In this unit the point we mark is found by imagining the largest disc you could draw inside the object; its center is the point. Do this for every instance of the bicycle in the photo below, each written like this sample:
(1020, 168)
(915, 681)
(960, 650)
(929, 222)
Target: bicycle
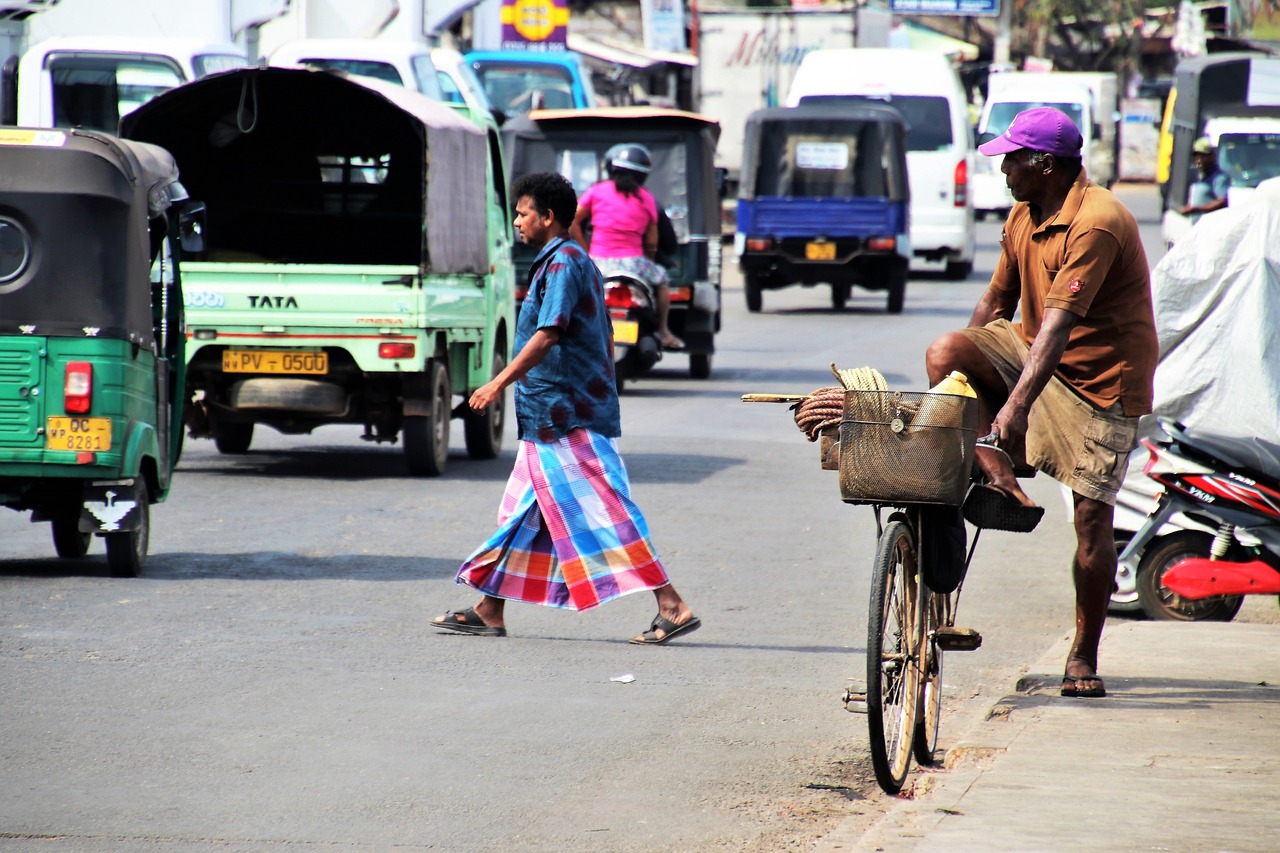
(894, 455)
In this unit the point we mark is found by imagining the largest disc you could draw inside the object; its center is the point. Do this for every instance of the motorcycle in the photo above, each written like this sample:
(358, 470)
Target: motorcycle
(632, 305)
(1227, 484)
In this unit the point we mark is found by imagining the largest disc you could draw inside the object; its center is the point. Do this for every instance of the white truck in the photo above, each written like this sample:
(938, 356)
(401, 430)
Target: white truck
(1090, 98)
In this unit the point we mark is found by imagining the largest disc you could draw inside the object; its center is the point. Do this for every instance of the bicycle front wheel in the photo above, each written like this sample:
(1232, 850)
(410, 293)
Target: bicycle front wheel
(893, 641)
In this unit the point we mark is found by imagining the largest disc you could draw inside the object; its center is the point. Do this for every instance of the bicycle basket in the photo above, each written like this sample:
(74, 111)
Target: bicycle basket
(906, 447)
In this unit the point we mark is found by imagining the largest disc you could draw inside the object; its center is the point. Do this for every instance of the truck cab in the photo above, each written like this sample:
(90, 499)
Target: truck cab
(518, 81)
(94, 82)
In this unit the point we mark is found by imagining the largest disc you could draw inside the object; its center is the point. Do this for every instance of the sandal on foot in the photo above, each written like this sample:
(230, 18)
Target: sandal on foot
(990, 507)
(673, 344)
(467, 622)
(1083, 687)
(667, 628)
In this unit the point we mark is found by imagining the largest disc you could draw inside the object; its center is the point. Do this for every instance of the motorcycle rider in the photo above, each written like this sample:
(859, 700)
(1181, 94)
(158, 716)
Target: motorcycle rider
(624, 219)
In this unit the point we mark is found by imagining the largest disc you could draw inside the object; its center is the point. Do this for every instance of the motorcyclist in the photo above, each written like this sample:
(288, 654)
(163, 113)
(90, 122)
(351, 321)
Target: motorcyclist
(624, 219)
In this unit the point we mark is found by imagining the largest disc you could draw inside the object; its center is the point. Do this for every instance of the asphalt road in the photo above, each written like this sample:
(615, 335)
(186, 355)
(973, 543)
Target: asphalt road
(272, 681)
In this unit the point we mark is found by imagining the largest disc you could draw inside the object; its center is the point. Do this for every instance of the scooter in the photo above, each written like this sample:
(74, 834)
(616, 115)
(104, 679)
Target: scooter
(633, 307)
(1228, 484)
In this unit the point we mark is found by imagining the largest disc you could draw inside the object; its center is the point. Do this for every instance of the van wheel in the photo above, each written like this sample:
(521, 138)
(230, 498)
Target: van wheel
(700, 365)
(68, 541)
(232, 438)
(126, 552)
(426, 437)
(897, 292)
(751, 286)
(839, 296)
(484, 432)
(958, 270)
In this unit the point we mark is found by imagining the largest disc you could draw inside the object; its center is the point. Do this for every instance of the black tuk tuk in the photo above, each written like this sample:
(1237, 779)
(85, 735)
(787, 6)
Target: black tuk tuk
(824, 199)
(91, 334)
(683, 180)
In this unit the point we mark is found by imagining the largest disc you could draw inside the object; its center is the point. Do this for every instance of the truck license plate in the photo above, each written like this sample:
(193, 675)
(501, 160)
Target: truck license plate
(820, 251)
(65, 433)
(625, 331)
(274, 361)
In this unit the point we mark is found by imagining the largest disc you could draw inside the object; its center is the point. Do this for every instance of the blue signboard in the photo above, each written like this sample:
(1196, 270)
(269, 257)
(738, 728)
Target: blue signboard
(945, 7)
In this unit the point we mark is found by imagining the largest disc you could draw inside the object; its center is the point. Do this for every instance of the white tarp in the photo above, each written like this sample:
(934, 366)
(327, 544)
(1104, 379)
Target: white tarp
(1217, 306)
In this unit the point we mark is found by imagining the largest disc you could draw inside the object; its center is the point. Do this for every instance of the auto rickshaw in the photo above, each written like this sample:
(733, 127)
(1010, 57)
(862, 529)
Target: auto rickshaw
(683, 181)
(92, 228)
(824, 199)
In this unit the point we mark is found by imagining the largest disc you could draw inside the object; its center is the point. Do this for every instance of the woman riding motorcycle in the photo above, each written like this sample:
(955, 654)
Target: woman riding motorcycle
(624, 221)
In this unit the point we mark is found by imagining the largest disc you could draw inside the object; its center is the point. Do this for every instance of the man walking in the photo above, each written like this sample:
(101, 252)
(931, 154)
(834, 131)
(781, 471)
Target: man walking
(1063, 387)
(568, 533)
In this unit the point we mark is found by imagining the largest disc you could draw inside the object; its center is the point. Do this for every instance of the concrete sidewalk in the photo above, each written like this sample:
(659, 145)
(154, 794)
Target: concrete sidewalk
(1183, 754)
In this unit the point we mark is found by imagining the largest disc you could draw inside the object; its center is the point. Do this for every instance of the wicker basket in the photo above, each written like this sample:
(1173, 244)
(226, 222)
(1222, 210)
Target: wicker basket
(903, 447)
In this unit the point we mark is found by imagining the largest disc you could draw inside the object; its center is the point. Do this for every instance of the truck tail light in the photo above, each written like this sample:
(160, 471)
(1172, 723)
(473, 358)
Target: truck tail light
(759, 244)
(396, 350)
(882, 244)
(962, 184)
(77, 388)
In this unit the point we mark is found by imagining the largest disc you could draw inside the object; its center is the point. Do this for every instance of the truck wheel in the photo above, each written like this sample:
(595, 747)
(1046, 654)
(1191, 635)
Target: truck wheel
(751, 286)
(839, 296)
(232, 438)
(484, 432)
(958, 270)
(700, 365)
(126, 552)
(68, 541)
(897, 292)
(426, 437)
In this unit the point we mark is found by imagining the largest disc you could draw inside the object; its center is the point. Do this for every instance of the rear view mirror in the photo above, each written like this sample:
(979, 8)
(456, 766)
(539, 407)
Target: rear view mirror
(191, 224)
(985, 137)
(722, 181)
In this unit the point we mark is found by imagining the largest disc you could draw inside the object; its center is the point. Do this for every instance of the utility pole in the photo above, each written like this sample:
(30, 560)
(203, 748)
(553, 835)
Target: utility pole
(1001, 51)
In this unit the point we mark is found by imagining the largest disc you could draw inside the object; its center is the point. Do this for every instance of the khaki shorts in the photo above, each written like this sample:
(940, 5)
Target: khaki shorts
(1083, 447)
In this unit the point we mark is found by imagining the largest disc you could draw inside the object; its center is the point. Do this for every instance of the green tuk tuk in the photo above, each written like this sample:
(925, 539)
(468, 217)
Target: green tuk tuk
(91, 334)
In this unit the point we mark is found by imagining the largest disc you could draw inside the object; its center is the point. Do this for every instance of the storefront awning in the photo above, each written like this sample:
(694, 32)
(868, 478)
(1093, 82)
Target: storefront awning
(917, 37)
(629, 55)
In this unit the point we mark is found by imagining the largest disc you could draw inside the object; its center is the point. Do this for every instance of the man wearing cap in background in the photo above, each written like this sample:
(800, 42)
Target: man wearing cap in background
(1209, 190)
(1064, 387)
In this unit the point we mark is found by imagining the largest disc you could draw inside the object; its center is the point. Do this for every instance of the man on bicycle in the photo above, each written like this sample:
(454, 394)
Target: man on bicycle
(1064, 387)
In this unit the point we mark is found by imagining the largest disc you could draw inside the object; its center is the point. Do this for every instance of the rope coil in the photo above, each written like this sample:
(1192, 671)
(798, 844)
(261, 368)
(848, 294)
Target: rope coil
(825, 407)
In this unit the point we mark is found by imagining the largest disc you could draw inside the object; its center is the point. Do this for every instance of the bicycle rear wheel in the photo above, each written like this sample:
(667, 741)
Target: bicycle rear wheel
(893, 641)
(929, 715)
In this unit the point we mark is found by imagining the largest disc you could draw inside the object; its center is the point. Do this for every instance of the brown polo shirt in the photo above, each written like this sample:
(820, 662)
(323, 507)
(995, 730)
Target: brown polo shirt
(1089, 260)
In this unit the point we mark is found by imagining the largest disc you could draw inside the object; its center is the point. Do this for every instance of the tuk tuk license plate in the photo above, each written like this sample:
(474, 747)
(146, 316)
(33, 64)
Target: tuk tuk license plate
(274, 361)
(625, 331)
(820, 251)
(64, 433)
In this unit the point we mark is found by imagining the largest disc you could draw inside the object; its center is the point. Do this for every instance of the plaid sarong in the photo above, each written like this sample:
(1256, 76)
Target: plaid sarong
(568, 533)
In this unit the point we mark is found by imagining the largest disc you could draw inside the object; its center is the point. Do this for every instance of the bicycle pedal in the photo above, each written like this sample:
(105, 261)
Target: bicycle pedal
(952, 639)
(854, 702)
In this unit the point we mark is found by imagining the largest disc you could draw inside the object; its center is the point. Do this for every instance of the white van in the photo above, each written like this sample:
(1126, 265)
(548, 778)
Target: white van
(924, 87)
(405, 63)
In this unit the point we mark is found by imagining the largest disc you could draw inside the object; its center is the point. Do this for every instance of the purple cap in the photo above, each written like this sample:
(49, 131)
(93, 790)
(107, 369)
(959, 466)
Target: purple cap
(1040, 129)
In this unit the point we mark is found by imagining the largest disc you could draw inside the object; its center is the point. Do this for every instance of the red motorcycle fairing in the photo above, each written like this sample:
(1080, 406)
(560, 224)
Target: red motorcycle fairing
(1200, 577)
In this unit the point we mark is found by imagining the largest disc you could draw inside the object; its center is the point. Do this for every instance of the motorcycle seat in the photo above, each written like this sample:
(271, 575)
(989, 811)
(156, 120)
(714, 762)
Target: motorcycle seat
(1255, 454)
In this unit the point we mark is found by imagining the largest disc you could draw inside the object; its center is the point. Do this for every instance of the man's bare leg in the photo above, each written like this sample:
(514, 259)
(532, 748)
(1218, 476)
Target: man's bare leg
(1094, 571)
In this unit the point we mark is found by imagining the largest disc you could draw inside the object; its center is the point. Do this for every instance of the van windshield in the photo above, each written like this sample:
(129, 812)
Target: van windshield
(1002, 113)
(520, 88)
(928, 117)
(1249, 158)
(96, 91)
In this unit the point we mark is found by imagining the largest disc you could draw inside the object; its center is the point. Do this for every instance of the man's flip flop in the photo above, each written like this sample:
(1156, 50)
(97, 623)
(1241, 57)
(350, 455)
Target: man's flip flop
(668, 628)
(467, 622)
(991, 508)
(1083, 687)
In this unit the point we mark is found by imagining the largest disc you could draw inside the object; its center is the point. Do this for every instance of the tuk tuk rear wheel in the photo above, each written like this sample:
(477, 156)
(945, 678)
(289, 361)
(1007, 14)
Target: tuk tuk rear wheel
(232, 438)
(751, 286)
(127, 551)
(840, 295)
(426, 437)
(897, 292)
(68, 541)
(700, 365)
(484, 431)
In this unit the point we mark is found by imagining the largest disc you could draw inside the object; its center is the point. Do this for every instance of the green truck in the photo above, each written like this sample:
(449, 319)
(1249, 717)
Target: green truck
(92, 229)
(358, 259)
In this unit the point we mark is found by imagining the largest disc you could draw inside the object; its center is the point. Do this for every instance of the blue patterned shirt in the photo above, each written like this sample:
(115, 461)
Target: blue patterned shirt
(573, 386)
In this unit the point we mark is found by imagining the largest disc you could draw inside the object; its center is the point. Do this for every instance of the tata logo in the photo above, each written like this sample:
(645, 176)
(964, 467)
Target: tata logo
(272, 302)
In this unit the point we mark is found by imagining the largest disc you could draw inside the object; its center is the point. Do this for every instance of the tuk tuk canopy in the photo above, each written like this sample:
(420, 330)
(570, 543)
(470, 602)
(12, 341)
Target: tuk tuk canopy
(573, 143)
(75, 232)
(310, 166)
(832, 150)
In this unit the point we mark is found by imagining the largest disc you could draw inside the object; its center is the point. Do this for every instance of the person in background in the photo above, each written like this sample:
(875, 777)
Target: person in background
(624, 227)
(568, 533)
(1065, 385)
(1208, 192)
